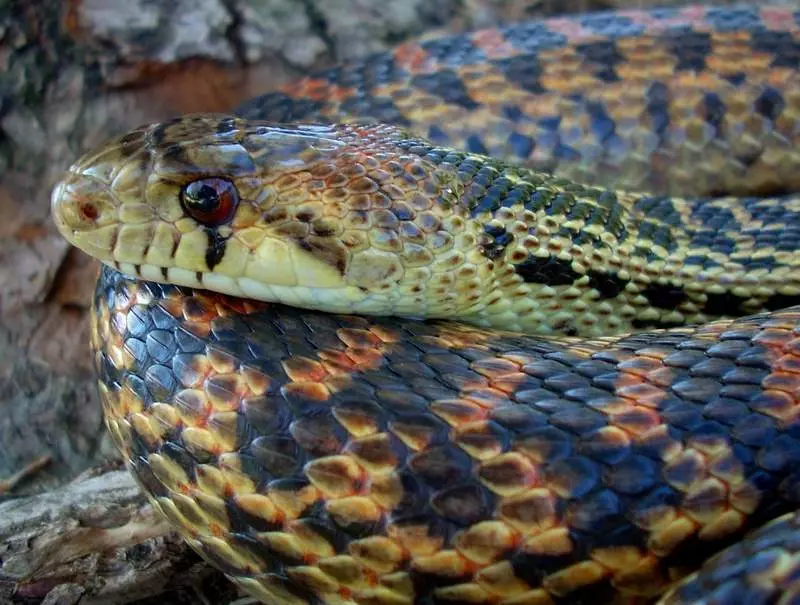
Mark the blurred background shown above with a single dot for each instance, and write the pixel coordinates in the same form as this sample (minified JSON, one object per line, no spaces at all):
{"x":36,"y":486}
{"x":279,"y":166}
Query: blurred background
{"x":74,"y":72}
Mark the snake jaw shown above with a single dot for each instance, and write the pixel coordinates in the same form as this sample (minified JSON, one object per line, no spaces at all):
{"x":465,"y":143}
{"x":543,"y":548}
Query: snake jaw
{"x":342,"y":218}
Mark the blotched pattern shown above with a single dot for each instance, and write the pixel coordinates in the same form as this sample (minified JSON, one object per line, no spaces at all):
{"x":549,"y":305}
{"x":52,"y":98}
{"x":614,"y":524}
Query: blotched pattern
{"x":685,"y":101}
{"x":350,"y":460}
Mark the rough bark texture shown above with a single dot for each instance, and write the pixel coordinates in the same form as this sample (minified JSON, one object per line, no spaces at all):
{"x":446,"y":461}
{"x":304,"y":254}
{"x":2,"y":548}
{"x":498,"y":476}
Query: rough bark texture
{"x":72,"y":74}
{"x":96,"y":541}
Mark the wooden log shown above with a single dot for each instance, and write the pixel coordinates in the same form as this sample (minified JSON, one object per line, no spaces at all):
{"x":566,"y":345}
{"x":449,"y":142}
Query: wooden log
{"x":97,"y":541}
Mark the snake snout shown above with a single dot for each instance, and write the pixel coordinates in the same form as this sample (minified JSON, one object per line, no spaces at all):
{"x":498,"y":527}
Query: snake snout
{"x":80,"y":204}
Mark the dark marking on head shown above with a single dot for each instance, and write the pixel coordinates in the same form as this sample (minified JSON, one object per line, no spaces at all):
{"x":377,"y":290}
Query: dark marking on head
{"x":131,"y":142}
{"x":216,"y":248}
{"x":665,"y":296}
{"x":165,"y":273}
{"x":330,"y":251}
{"x":609,"y":285}
{"x":204,"y":159}
{"x":549,"y":270}
{"x":226,"y":125}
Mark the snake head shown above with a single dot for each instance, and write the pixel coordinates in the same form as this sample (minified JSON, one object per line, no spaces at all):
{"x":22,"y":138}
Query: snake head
{"x":345,"y":218}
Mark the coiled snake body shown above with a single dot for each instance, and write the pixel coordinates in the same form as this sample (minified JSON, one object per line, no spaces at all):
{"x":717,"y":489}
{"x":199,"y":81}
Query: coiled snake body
{"x":389,"y":358}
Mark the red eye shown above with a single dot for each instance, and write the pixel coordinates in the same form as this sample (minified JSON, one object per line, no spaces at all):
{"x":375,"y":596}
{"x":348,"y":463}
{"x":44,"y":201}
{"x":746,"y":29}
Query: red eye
{"x":211,"y":201}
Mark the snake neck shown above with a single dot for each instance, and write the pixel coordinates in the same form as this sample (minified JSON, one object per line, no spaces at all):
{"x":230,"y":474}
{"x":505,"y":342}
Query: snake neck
{"x":556,"y":256}
{"x":368,"y":219}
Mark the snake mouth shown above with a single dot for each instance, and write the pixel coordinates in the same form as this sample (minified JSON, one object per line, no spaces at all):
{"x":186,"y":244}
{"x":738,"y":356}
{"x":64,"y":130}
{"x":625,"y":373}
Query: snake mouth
{"x":343,"y":300}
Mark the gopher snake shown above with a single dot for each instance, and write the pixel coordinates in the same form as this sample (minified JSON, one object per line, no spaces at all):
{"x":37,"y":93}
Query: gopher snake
{"x":618,"y":399}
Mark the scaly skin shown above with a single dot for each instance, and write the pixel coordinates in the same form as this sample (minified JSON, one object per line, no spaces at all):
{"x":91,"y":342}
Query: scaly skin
{"x":321,"y":458}
{"x":343,"y":459}
{"x":366,"y":219}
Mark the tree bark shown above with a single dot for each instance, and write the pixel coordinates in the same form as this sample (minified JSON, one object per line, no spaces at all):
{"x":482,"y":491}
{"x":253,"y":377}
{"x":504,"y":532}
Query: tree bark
{"x":97,"y":541}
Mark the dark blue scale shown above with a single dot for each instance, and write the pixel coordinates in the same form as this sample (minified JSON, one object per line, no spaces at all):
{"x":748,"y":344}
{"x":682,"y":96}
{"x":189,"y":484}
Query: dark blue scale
{"x":280,"y":107}
{"x":734,"y":18}
{"x":524,"y":71}
{"x":454,"y":51}
{"x":447,"y":85}
{"x":783,"y":46}
{"x":601,"y":59}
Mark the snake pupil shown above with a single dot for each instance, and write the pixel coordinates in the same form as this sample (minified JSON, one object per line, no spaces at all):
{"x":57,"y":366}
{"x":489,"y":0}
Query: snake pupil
{"x":211,"y":201}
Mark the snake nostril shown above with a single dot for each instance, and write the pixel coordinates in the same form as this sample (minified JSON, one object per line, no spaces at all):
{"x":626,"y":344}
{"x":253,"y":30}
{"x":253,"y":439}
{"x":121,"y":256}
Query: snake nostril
{"x":88,"y":211}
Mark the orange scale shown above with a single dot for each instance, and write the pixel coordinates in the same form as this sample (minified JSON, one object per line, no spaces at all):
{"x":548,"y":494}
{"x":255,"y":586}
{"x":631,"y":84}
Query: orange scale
{"x":509,"y":383}
{"x":336,"y":476}
{"x":636,"y":420}
{"x":663,"y":377}
{"x":191,"y":372}
{"x":783,"y":381}
{"x":644,"y":394}
{"x":792,"y":347}
{"x":221,"y":361}
{"x":494,"y":367}
{"x":192,"y":407}
{"x":337,"y":362}
{"x":640,"y":365}
{"x":493,"y":44}
{"x":788,"y":363}
{"x":225,"y":391}
{"x":625,"y":379}
{"x":256,"y":381}
{"x":307,"y":390}
{"x":485,"y":397}
{"x":301,"y":369}
{"x":197,"y":309}
{"x":368,"y":358}
{"x":358,"y":338}
{"x":458,"y":412}
{"x":774,"y":336}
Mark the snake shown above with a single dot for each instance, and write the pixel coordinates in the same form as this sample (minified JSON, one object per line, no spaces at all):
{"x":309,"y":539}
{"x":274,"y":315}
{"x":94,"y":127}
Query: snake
{"x":507,"y":317}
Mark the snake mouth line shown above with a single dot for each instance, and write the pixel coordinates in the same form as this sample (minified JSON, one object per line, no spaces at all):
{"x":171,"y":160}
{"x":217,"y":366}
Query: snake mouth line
{"x":344,"y":300}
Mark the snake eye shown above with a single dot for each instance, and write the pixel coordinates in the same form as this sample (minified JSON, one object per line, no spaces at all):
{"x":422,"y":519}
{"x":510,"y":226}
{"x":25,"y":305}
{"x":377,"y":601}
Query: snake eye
{"x":210,"y":201}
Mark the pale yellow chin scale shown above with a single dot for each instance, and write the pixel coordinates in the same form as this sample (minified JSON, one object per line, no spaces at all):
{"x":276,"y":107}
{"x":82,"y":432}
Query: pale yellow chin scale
{"x":344,"y":299}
